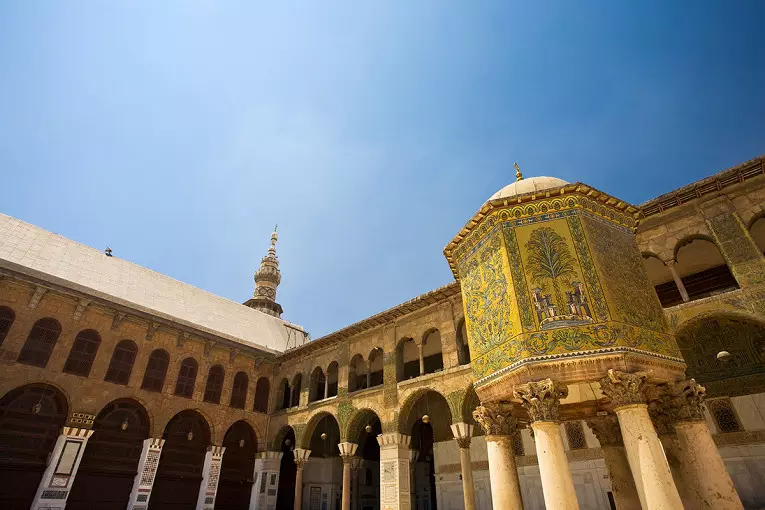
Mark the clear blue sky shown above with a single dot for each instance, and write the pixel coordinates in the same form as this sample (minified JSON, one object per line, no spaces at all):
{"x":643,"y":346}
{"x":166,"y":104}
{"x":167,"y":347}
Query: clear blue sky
{"x":178,"y":133}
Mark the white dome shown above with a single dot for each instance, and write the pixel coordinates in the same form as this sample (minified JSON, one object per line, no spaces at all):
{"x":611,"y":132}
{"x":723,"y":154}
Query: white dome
{"x":532,"y":184}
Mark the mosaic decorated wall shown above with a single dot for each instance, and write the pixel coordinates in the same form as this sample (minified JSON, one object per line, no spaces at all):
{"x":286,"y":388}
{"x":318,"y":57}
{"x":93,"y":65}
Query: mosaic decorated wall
{"x":554,"y":278}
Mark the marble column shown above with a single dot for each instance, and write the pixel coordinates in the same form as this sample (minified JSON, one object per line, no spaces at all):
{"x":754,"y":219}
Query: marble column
{"x":420,"y":348}
{"x":369,"y":374}
{"x":463,"y":433}
{"x":394,"y":471}
{"x":680,"y":285}
{"x":653,"y":479}
{"x":660,"y":412}
{"x":500,"y":426}
{"x":266,"y":480}
{"x":301,"y":457}
{"x":542,"y":401}
{"x":347,"y":451}
{"x":147,"y":469}
{"x":210,"y":477}
{"x":63,"y":463}
{"x":606,"y":429}
{"x":700,"y":456}
{"x":357,"y":464}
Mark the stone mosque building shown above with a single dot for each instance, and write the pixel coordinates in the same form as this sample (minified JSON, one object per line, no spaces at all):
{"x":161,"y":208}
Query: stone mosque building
{"x":590,"y":354}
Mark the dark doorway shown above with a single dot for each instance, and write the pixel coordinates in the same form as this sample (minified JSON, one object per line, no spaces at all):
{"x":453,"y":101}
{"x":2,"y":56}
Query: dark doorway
{"x":235,"y":486}
{"x":31,"y":418}
{"x":110,"y":461}
{"x":424,"y":467}
{"x":176,"y":486}
{"x":285,"y":497}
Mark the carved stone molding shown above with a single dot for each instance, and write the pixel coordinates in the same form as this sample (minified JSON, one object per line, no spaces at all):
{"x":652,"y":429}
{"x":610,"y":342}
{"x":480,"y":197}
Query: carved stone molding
{"x":117,"y":319}
{"x":36,"y":297}
{"x":687,"y":400}
{"x":496,"y":420}
{"x":542,"y":399}
{"x":625,"y":388}
{"x":607,"y":430}
{"x":151,"y":329}
{"x":82,"y":304}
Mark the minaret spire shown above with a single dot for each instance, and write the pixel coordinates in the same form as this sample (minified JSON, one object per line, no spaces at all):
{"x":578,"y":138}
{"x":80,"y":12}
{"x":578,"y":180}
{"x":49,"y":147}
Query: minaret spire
{"x":267,"y":279}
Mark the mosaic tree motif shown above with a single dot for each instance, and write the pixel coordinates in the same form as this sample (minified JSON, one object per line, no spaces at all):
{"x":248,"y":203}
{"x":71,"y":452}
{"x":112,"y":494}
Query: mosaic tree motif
{"x":549,"y":261}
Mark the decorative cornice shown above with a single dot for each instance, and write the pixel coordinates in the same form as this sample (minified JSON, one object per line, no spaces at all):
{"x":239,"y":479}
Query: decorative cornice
{"x":542,"y":399}
{"x":624,"y":388}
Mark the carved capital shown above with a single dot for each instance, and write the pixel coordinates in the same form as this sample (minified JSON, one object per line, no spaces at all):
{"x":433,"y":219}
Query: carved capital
{"x":687,"y":401}
{"x":542,"y":399}
{"x":301,"y":457}
{"x":462,"y":432}
{"x":495,"y":420}
{"x":624,"y":388}
{"x":607,"y":430}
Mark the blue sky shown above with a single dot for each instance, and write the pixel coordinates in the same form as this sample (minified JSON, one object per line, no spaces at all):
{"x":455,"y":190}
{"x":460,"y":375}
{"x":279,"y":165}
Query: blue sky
{"x":178,"y":133}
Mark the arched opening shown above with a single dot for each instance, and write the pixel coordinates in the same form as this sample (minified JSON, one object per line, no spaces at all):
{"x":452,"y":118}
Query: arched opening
{"x":463,"y":347}
{"x":662,"y":280}
{"x":110,"y":460}
{"x":156,"y":370}
{"x":316,"y":385}
{"x":176,"y":486}
{"x":262,"y":389}
{"x":214,"y":385}
{"x":757,"y":231}
{"x":285,"y":496}
{"x":239,"y":390}
{"x":323,"y":473}
{"x":365,"y":482}
{"x":235,"y":486}
{"x":703,"y":269}
{"x":40,"y":341}
{"x":83,"y":353}
{"x":428,"y":420}
{"x":187,"y":377}
{"x":433,"y":360}
{"x":407,"y":360}
{"x":6,"y":321}
{"x":283,"y":395}
{"x":357,"y":374}
{"x":297,"y":384}
{"x":332,"y":375}
{"x":121,"y":364}
{"x":702,"y":342}
{"x":31,"y":418}
{"x":376,"y":362}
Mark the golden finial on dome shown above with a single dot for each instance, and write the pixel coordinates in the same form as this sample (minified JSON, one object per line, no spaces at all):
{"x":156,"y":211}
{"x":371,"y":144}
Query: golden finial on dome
{"x":518,"y":174}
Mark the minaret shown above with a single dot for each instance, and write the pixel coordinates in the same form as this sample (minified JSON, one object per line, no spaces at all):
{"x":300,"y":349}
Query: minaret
{"x":267,"y":279}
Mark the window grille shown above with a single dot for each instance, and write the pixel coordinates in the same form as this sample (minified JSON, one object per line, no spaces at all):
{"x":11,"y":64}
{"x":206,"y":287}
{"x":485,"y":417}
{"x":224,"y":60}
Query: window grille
{"x":83,"y":353}
{"x":575,"y":434}
{"x":6,"y":321}
{"x":261,"y":396}
{"x":239,"y":392}
{"x":518,"y":445}
{"x":187,"y":376}
{"x":214,"y":384}
{"x":724,"y":414}
{"x":121,"y":365}
{"x":39,"y":345}
{"x":156,"y":370}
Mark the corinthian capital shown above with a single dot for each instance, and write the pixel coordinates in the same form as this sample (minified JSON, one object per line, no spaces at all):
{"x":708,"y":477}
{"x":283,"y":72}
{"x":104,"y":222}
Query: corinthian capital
{"x":687,"y":398}
{"x":607,"y":430}
{"x":495,"y":420}
{"x":624,"y":388}
{"x":542,"y":399}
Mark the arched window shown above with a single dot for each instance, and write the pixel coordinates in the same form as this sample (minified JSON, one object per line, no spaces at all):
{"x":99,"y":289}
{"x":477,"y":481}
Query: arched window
{"x":40,"y":342}
{"x":187,"y":376}
{"x":284,"y":391}
{"x":463,"y":347}
{"x":407,"y":360}
{"x":662,"y":280}
{"x":239,"y":391}
{"x":757,"y":230}
{"x":376,"y":367}
{"x":122,"y":361}
{"x":296,"y":388}
{"x":332,"y":373}
{"x":156,"y":370}
{"x":703,"y":269}
{"x":316,"y":385}
{"x":261,"y":395}
{"x":357,"y":374}
{"x":6,"y":321}
{"x":433,"y":360}
{"x":214,"y":384}
{"x":83,"y":353}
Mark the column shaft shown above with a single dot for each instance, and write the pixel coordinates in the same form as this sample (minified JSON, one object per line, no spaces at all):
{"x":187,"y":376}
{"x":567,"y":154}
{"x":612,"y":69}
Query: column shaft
{"x":346,"y":501}
{"x":557,"y":484}
{"x":208,"y":489}
{"x":503,"y":473}
{"x":299,"y":488}
{"x":147,"y":470}
{"x":678,"y":282}
{"x":266,"y":478}
{"x":422,"y":360}
{"x":394,"y":471}
{"x":653,"y":478}
{"x":712,"y":483}
{"x":467,"y":479}
{"x":57,"y":481}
